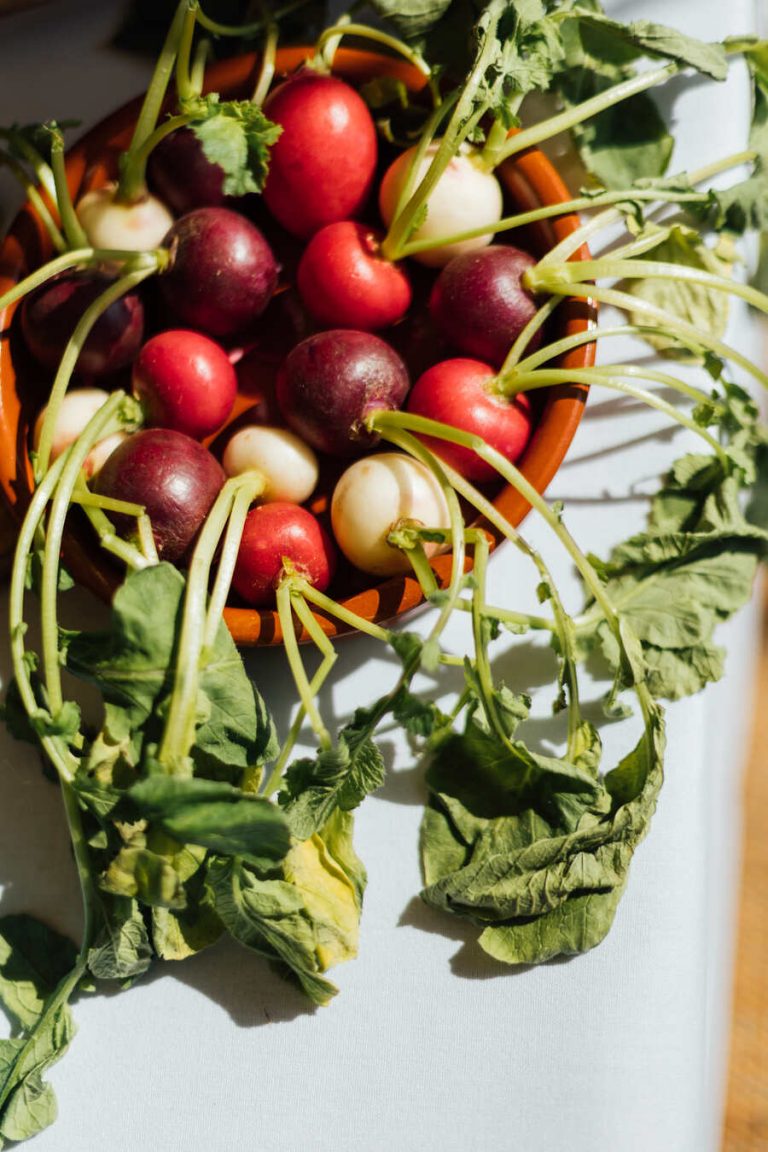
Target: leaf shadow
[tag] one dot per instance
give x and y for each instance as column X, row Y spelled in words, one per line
column 469, row 962
column 241, row 982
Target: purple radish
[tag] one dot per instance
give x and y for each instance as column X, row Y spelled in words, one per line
column 331, row 381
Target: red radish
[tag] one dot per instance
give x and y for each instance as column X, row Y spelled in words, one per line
column 288, row 465
column 49, row 316
column 222, row 272
column 331, row 381
column 479, row 304
column 277, row 537
column 346, row 283
column 174, row 477
column 372, row 497
column 181, row 174
column 322, row 166
column 185, row 381
column 136, row 227
column 465, row 197
column 462, row 393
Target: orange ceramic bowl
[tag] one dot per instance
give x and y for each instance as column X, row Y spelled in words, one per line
column 529, row 181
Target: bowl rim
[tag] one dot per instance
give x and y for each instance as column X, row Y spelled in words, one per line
column 530, row 176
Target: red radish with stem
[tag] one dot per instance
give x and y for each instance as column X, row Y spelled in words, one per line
column 376, row 494
column 174, row 477
column 322, row 165
column 479, row 304
column 345, row 282
column 277, row 538
column 49, row 315
column 463, row 394
column 185, row 381
column 221, row 274
column 331, row 381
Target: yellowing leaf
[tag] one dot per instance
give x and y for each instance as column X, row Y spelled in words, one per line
column 329, row 898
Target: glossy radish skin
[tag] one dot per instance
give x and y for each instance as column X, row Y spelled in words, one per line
column 372, row 497
column 345, row 282
column 331, row 381
column 49, row 316
column 479, row 304
column 322, row 165
column 288, row 465
column 277, row 537
column 182, row 176
column 185, row 381
column 135, row 227
column 464, row 198
column 173, row 476
column 222, row 272
column 461, row 393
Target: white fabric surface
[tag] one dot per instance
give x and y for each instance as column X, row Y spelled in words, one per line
column 429, row 1046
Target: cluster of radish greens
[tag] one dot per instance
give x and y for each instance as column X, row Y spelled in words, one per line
column 189, row 817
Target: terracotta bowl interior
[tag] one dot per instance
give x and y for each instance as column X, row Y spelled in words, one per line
column 529, row 180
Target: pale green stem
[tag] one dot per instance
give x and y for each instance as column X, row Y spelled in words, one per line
column 179, row 733
column 546, row 377
column 422, row 570
column 563, row 275
column 248, row 490
column 74, row 233
column 55, row 748
column 337, row 31
column 326, row 604
column 571, row 117
column 267, row 67
column 296, row 665
column 33, row 196
column 536, row 322
column 131, row 185
column 689, row 336
column 104, row 421
column 70, row 357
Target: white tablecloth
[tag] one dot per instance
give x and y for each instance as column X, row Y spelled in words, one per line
column 430, row 1045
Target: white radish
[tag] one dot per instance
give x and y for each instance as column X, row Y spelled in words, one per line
column 137, row 227
column 75, row 411
column 465, row 197
column 288, row 465
column 101, row 451
column 373, row 496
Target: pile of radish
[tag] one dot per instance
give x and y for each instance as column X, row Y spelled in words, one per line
column 219, row 293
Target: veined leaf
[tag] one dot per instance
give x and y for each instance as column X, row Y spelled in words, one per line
column 216, row 815
column 237, row 136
